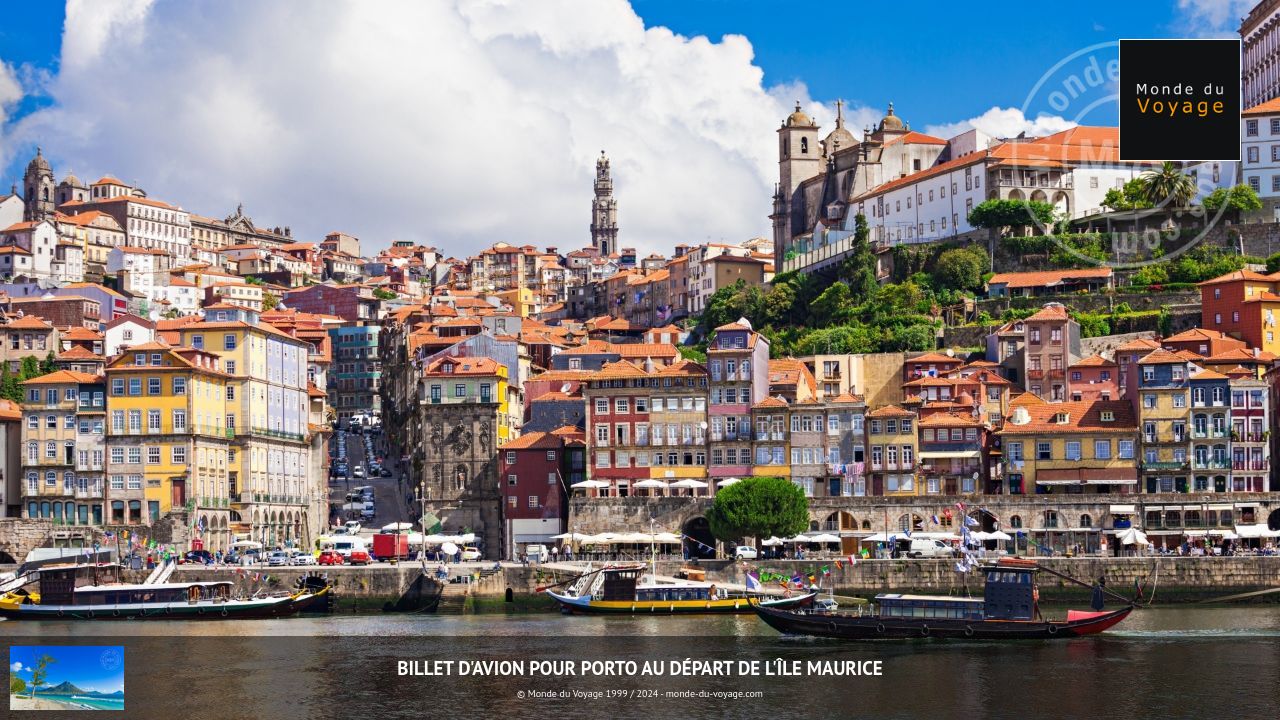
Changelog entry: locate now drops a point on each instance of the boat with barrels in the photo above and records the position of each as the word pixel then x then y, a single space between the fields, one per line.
pixel 94 591
pixel 629 589
pixel 1008 610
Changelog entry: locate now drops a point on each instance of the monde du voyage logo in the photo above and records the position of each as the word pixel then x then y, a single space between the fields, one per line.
pixel 1180 100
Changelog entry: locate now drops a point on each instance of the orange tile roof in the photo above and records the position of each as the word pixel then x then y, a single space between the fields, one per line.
pixel 534 441
pixel 1093 361
pixel 1138 345
pixel 1237 276
pixel 1242 355
pixel 949 419
pixel 935 357
pixel 684 368
pixel 462 366
pixel 1050 312
pixel 847 398
pixel 28 322
pixel 1197 334
pixel 916 138
pixel 1208 375
pixel 1264 108
pixel 1161 357
pixel 771 402
pixel 1082 417
pixel 619 370
pixel 1045 278
pixel 890 411
pixel 59 377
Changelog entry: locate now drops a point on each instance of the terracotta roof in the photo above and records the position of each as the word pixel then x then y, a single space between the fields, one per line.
pixel 771 402
pixel 1236 277
pixel 916 138
pixel 1197 334
pixel 1046 278
pixel 78 352
pixel 1208 375
pixel 1264 108
pixel 1242 355
pixel 80 332
pixel 930 381
pixel 684 368
pixel 10 411
pixel 890 411
pixel 1082 417
pixel 1093 361
pixel 1161 356
pixel 535 441
pixel 63 377
pixel 934 357
pixel 949 419
pixel 847 398
pixel 619 370
pixel 1050 312
pixel 28 322
pixel 462 366
pixel 1138 345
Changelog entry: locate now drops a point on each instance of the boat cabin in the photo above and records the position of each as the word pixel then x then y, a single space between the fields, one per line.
pixel 929 607
pixel 167 593
pixel 57 584
pixel 1010 592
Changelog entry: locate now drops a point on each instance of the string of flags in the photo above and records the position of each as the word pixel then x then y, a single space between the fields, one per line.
pixel 756 577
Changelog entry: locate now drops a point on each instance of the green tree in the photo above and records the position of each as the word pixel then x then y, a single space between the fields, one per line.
pixel 1236 200
pixel 16 684
pixel 1150 275
pixel 1273 263
pixel 382 294
pixel 30 368
pixel 47 365
pixel 958 269
pixel 40 673
pixel 694 353
pixel 271 301
pixel 999 215
pixel 759 507
pixel 10 388
pixel 914 337
pixel 1167 186
pixel 859 269
pixel 1131 197
pixel 833 307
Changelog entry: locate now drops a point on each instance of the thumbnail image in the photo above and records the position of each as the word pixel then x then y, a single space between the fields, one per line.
pixel 66 677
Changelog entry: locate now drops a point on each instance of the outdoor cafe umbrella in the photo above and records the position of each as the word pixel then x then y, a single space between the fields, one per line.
pixel 651 485
pixel 246 544
pixel 590 484
pixel 689 483
pixel 397 527
pixel 1132 536
pixel 772 542
pixel 798 539
pixel 825 538
pixel 449 548
pixel 666 538
pixel 728 481
pixel 998 535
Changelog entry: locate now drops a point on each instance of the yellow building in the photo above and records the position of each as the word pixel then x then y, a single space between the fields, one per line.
pixel 771 446
pixel 274 500
pixel 892 450
pixel 676 432
pixel 167 444
pixel 1083 447
pixel 523 301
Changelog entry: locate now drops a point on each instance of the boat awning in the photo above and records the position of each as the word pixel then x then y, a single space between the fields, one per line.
pixel 1124 508
pixel 943 454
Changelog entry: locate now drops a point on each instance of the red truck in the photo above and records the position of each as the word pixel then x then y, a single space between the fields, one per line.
pixel 390 545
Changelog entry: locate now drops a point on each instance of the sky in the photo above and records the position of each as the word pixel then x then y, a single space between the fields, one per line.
pixel 460 123
pixel 92 668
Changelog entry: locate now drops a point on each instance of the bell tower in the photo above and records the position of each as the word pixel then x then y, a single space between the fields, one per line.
pixel 799 158
pixel 604 211
pixel 39 189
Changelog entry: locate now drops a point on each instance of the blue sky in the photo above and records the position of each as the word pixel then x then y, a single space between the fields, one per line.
pixel 209 103
pixel 81 665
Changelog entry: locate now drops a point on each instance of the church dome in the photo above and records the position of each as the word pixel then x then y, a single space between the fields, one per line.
pixel 891 121
pixel 73 181
pixel 38 164
pixel 798 117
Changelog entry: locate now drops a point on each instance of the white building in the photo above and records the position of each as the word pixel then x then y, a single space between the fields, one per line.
pixel 142 271
pixel 182 295
pixel 40 241
pixel 11 207
pixel 1260 54
pixel 126 331
pixel 1260 155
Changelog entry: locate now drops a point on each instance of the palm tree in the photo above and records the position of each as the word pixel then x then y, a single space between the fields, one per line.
pixel 1168 187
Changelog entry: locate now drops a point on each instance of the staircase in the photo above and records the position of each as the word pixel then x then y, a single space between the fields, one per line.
pixel 453 599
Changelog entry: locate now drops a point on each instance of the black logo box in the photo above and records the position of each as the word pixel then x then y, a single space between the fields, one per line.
pixel 1187 68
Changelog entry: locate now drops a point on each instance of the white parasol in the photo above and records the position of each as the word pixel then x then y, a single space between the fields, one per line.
pixel 449 548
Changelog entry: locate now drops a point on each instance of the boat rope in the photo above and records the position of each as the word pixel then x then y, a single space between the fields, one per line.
pixel 1081 583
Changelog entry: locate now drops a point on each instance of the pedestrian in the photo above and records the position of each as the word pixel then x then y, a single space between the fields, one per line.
pixel 554 551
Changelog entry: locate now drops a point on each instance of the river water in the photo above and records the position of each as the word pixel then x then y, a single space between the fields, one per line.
pixel 1188 661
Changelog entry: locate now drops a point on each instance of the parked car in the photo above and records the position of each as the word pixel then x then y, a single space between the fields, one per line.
pixel 536 553
pixel 745 552
pixel 924 547
pixel 198 556
pixel 353 527
pixel 385 472
pixel 357 472
pixel 329 557
pixel 278 558
pixel 359 557
pixel 470 553
pixel 304 559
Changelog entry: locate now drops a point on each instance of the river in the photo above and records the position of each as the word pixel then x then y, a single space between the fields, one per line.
pixel 1176 661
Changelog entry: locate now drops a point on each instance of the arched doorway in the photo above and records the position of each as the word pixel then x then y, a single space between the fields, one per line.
pixel 698 540
pixel 1273 520
pixel 7 559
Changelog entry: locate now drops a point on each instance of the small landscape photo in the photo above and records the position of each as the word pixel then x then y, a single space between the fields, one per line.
pixel 66 677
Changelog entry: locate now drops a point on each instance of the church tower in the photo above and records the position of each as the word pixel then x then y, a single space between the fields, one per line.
pixel 604 211
pixel 38 182
pixel 799 158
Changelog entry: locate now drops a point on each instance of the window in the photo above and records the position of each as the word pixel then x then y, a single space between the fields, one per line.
pixel 153 455
pixel 229 342
pixel 1251 128
pixel 179 454
pixel 231 392
pixel 1254 184
pixel 135 455
pixel 602 406
pixel 153 386
pixel 621 406
pixel 135 386
pixel 602 458
pixel 642 405
pixel 179 386
pixel 1102 449
pixel 459 390
pixel 1251 155
pixel 179 420
pixel 153 421
pixel 1044 451
pixel 230 367
pixel 135 421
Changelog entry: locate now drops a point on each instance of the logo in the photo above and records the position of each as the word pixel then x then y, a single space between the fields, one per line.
pixel 111 658
pixel 1131 212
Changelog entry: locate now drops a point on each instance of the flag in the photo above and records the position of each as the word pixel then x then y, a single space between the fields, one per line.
pixel 108 534
pixel 961 568
pixel 825 571
pixel 935 520
pixel 753 582
pixel 969 521
pixel 812 578
pixel 797 579
pixel 960 506
pixel 838 565
pixel 852 558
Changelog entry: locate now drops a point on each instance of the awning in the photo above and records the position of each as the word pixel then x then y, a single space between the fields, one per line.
pixel 1247 505
pixel 1114 481
pixel 1057 482
pixel 1089 476
pixel 931 454
pixel 1195 533
pixel 1220 507
pixel 1124 508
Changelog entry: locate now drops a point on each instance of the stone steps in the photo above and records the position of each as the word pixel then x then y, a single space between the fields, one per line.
pixel 454 599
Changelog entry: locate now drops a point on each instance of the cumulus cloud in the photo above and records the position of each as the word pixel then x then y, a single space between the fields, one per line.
pixel 15 667
pixel 1004 123
pixel 454 123
pixel 1212 18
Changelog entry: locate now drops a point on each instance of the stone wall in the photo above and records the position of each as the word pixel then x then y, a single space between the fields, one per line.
pixel 19 536
pixel 592 516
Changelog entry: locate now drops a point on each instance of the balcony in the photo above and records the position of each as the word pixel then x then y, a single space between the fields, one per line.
pixel 1251 465
pixel 1035 374
pixel 1216 464
pixel 1163 465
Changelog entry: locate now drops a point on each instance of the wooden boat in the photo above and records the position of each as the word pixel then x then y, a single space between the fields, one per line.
pixel 1008 610
pixel 627 590
pixel 94 592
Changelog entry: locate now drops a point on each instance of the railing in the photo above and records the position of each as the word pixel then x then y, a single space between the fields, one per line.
pixel 1035 374
pixel 1250 465
pixel 1212 465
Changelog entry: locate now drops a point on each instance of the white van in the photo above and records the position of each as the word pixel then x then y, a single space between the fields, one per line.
pixel 344 545
pixel 924 547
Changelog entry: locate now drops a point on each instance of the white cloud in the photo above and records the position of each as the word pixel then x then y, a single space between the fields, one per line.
pixel 453 123
pixel 1212 18
pixel 1004 123
pixel 15 667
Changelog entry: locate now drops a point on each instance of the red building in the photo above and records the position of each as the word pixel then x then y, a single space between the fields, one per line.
pixel 617 426
pixel 931 364
pixel 537 470
pixel 1093 378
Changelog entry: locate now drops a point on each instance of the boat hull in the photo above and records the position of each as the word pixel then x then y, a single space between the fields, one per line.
pixel 204 610
pixel 853 627
pixel 726 606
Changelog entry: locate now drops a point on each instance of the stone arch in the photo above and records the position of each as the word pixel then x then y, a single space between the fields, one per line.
pixel 1039 196
pixel 1016 194
pixel 1061 203
pixel 866 524
pixel 911 522
pixel 1015 522
pixel 1086 520
pixel 1273 520
pixel 698 538
pixel 7 559
pixel 839 520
